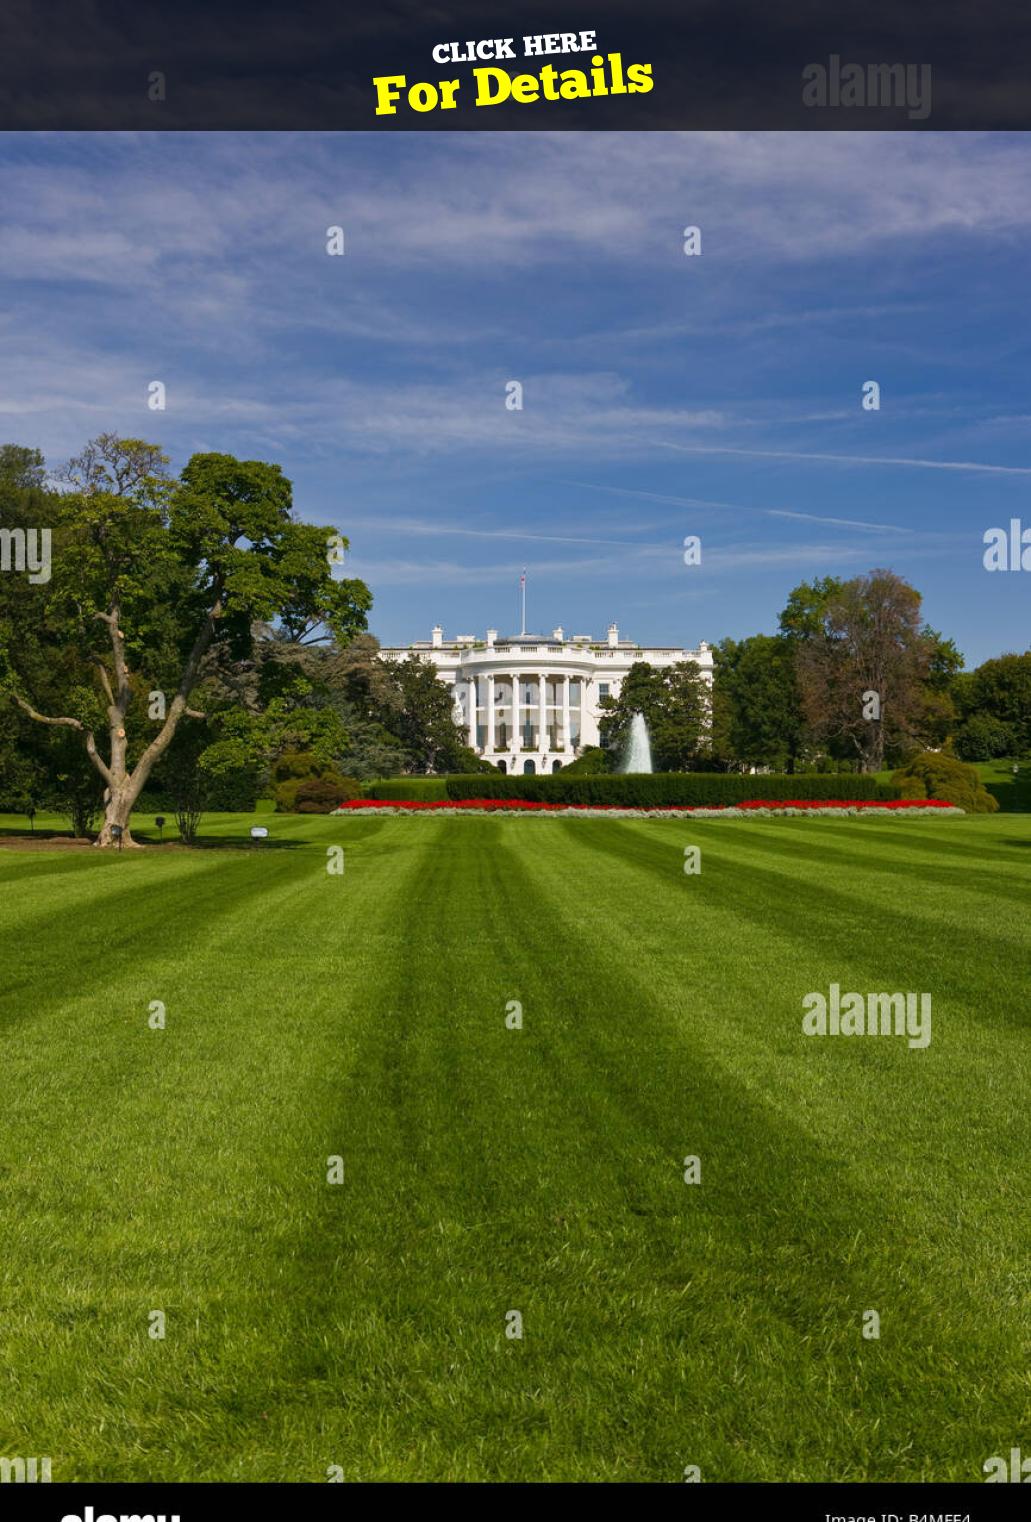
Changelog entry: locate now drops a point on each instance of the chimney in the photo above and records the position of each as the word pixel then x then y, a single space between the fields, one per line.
pixel 557 633
pixel 438 636
pixel 613 636
pixel 492 635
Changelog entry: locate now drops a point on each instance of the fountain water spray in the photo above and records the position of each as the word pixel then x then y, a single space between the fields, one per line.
pixel 638 754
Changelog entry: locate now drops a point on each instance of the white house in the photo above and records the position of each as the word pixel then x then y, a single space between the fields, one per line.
pixel 530 702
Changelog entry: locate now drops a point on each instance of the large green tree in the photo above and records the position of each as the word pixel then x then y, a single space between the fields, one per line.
pixel 862 665
pixel 423 721
pixel 757 715
pixel 996 703
pixel 149 573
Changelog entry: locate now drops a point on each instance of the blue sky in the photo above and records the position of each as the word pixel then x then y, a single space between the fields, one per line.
pixel 663 395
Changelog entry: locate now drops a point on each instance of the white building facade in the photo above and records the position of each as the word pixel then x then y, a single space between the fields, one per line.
pixel 531 703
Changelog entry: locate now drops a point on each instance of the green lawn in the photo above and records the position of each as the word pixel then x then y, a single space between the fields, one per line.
pixel 540 1170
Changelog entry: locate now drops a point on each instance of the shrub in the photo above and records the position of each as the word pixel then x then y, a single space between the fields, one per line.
pixel 637 789
pixel 984 738
pixel 292 769
pixel 299 764
pixel 934 775
pixel 595 761
pixel 320 795
pixel 285 794
pixel 307 785
pixel 467 759
pixel 408 789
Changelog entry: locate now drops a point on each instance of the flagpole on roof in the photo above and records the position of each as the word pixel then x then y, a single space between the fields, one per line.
pixel 522 588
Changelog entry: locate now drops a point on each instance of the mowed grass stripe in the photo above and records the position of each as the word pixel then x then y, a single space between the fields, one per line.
pixel 850 909
pixel 61 946
pixel 856 1186
pixel 1002 875
pixel 177 1167
pixel 751 964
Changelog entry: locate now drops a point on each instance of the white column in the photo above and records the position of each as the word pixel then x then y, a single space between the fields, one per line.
pixel 588 721
pixel 517 738
pixel 490 711
pixel 565 714
pixel 542 720
pixel 472 712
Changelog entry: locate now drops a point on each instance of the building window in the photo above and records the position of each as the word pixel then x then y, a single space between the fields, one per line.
pixel 603 689
pixel 528 769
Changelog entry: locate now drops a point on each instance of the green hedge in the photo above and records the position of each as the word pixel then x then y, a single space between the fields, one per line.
pixel 411 789
pixel 640 789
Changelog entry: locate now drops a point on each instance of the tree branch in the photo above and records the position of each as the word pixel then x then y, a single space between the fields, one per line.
pixel 118 651
pixel 42 718
pixel 64 723
pixel 105 681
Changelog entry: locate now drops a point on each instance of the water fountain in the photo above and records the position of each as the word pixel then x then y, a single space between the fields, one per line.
pixel 638 754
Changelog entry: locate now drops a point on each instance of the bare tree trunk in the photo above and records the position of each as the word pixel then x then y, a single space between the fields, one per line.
pixel 119 802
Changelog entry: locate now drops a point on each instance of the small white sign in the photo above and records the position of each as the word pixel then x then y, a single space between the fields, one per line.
pixel 258 832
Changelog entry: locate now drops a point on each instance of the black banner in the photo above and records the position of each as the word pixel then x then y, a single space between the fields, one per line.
pixel 311 1503
pixel 804 65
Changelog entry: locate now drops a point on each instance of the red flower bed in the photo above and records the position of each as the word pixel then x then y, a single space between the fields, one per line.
pixel 510 805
